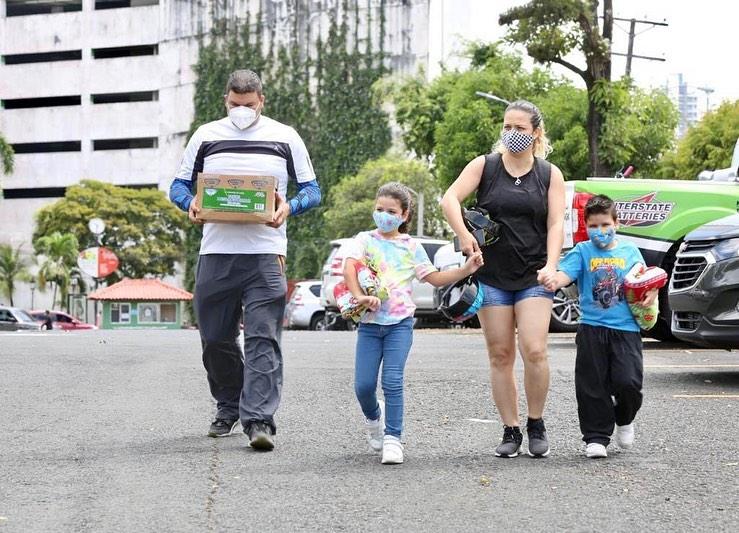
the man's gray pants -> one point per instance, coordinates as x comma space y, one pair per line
246, 385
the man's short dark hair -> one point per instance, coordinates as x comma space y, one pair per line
600, 204
244, 81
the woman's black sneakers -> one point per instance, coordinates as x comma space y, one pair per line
511, 443
538, 443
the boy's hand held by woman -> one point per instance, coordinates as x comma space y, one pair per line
474, 262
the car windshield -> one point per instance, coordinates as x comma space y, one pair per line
23, 316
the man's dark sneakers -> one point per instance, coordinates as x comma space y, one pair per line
511, 443
222, 427
260, 436
538, 443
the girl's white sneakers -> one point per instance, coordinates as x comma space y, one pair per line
392, 451
376, 429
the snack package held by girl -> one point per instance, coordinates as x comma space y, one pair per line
637, 283
347, 303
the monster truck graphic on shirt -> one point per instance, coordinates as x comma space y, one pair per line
607, 282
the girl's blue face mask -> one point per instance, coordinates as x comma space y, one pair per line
602, 238
386, 222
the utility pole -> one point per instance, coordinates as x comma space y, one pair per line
632, 34
708, 91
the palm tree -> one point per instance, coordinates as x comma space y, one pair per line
12, 269
60, 251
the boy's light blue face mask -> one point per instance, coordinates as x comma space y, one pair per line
601, 238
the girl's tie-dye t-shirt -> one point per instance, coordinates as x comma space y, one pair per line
396, 262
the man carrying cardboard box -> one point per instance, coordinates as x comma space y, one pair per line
241, 268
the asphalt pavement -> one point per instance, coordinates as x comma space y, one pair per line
105, 431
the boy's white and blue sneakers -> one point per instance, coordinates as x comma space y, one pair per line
595, 450
625, 436
376, 429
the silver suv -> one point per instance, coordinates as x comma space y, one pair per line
15, 319
333, 272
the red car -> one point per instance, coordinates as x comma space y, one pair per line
61, 320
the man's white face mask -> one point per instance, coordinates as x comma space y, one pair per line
242, 116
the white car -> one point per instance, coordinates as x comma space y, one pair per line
333, 272
304, 309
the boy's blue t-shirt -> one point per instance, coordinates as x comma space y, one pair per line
600, 280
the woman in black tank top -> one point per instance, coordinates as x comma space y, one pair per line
526, 195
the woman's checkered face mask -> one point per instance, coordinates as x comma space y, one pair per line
516, 141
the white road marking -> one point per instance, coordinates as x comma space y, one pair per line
722, 396
691, 366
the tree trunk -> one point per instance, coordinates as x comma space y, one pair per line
594, 124
53, 300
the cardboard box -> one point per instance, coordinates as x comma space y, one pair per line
224, 198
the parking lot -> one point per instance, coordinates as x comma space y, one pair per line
105, 431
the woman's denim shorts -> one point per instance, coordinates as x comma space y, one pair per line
494, 296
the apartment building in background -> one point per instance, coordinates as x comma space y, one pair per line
103, 89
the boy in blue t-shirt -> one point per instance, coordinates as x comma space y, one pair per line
608, 368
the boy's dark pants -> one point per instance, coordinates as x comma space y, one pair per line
609, 363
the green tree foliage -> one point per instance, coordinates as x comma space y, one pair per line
59, 253
328, 99
13, 268
352, 201
6, 156
706, 146
141, 226
639, 126
551, 30
444, 122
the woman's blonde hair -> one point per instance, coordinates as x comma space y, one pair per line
542, 146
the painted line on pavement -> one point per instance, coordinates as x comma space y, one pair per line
724, 396
691, 366
482, 420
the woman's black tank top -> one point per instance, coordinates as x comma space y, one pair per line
521, 210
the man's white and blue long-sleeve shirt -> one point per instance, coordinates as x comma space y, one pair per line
268, 148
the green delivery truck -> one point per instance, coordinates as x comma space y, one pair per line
654, 214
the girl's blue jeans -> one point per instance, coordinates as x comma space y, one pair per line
388, 345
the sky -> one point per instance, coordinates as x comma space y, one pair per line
701, 41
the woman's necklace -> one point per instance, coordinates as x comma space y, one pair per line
518, 178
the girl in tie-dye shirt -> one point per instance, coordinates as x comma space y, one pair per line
385, 332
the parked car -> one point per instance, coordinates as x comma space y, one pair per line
333, 272
60, 320
704, 289
14, 319
304, 309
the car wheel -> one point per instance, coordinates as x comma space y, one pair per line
565, 310
318, 322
